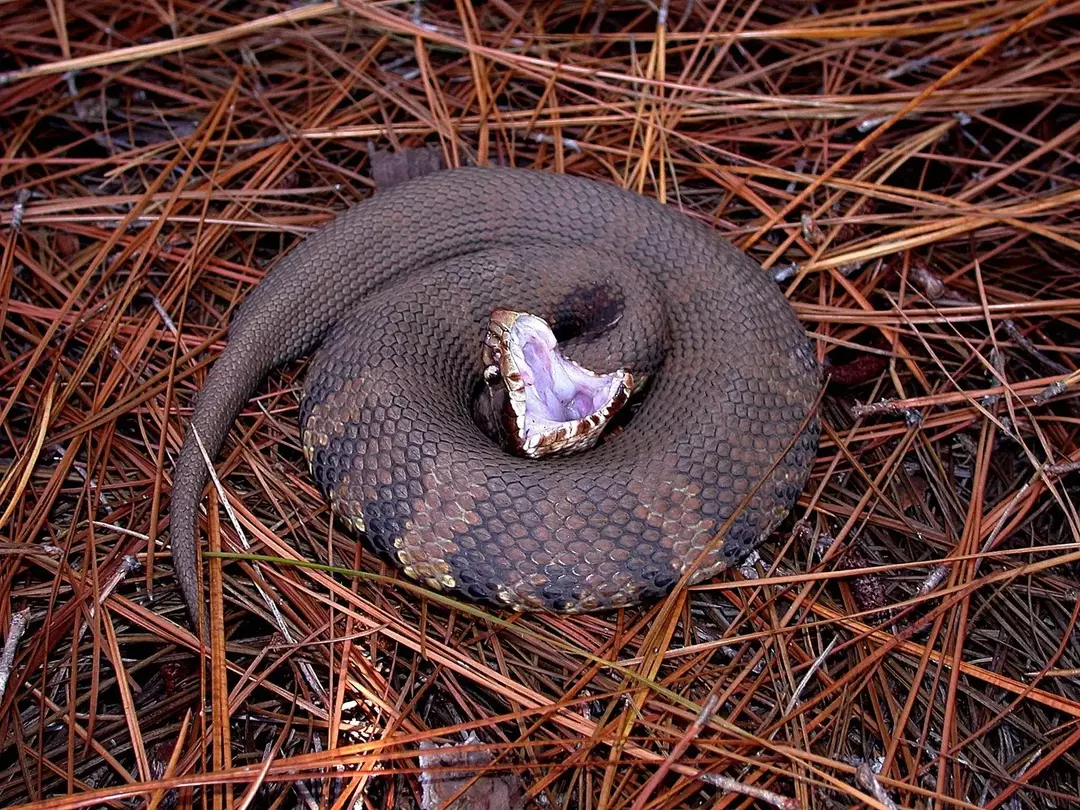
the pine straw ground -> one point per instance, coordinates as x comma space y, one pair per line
908, 172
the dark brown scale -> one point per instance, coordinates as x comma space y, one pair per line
397, 291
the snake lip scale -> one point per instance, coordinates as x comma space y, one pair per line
394, 298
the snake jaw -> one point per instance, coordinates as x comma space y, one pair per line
553, 405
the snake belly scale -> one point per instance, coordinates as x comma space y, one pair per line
392, 297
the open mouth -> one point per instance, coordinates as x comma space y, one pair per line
553, 405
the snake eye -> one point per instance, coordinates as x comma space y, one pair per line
553, 404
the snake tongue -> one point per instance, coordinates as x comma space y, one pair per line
553, 405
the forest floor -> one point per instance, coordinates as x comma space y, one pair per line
906, 171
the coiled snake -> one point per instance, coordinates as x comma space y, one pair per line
416, 388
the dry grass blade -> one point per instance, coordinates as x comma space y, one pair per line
908, 171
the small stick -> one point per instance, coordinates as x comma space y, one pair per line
1064, 468
570, 143
911, 416
819, 662
767, 796
676, 752
931, 283
18, 211
7, 657
724, 783
128, 564
868, 781
1021, 340
933, 579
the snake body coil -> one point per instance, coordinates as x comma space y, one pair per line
396, 293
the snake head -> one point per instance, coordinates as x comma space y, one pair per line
552, 404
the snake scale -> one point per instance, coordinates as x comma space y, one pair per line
395, 298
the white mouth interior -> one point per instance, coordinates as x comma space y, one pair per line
558, 405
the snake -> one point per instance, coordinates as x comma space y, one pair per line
533, 390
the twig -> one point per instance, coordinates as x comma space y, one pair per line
16, 628
868, 781
1063, 468
677, 751
731, 786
